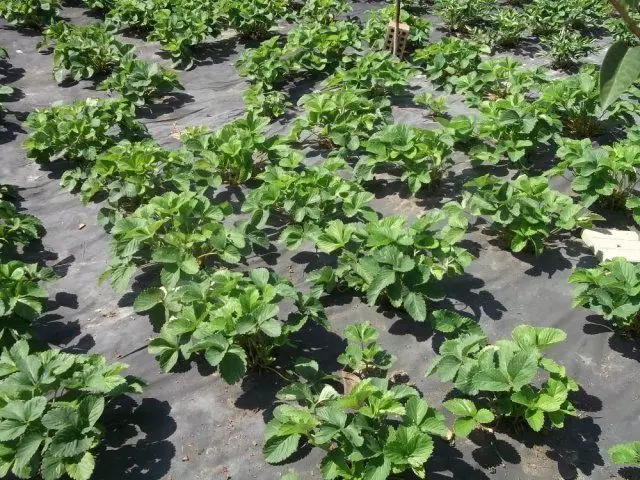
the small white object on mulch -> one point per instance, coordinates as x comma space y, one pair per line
609, 243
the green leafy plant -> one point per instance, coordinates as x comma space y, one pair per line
377, 73
264, 102
394, 260
508, 27
253, 19
619, 29
423, 156
499, 378
436, 106
84, 52
129, 174
231, 318
625, 453
576, 100
341, 118
22, 298
498, 78
612, 290
462, 15
375, 29
182, 27
99, 5
449, 58
323, 11
179, 232
139, 81
548, 16
512, 127
609, 174
30, 13
236, 151
566, 47
363, 356
268, 65
307, 198
371, 431
80, 131
135, 14
525, 211
16, 228
50, 406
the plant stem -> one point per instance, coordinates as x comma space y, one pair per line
626, 17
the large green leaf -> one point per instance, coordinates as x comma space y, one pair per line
83, 469
278, 449
625, 453
415, 306
620, 69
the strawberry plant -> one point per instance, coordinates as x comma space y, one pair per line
99, 5
307, 198
341, 118
236, 151
508, 27
363, 356
525, 211
262, 101
253, 19
462, 15
323, 11
315, 47
84, 52
16, 229
499, 379
183, 26
139, 81
35, 14
548, 16
498, 78
392, 259
609, 174
436, 106
130, 174
135, 14
449, 58
267, 65
612, 290
80, 131
372, 431
625, 453
512, 127
50, 406
22, 298
377, 73
233, 319
178, 232
375, 29
423, 156
576, 100
566, 47
619, 30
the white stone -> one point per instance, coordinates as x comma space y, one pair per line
611, 243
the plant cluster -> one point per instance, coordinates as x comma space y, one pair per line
499, 378
566, 47
508, 26
50, 406
139, 81
608, 175
16, 229
373, 430
451, 57
363, 356
436, 106
393, 260
525, 211
324, 11
463, 15
84, 52
35, 14
233, 319
307, 198
341, 118
79, 131
423, 156
612, 290
253, 19
548, 16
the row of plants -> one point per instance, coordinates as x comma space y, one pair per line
51, 401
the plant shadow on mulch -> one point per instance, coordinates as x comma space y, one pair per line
625, 345
135, 445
